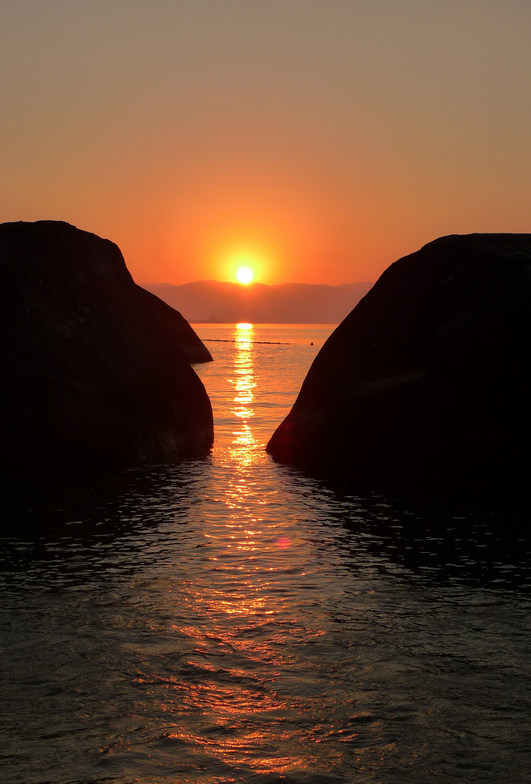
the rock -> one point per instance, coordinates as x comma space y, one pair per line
425, 387
96, 370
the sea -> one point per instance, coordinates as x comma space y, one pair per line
230, 620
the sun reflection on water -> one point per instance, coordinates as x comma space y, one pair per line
244, 443
247, 694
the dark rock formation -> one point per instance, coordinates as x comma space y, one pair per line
426, 386
95, 369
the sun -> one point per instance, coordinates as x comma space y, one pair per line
244, 275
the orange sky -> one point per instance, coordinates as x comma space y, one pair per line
319, 139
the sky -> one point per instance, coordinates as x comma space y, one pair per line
315, 141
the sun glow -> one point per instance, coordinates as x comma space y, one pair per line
243, 263
244, 275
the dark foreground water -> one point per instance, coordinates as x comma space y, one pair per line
229, 620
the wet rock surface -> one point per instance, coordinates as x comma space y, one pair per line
96, 370
425, 387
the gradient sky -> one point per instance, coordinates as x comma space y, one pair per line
319, 139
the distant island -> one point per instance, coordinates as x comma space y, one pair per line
287, 303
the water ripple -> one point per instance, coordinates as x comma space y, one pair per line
229, 620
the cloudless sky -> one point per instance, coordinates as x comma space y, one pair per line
320, 140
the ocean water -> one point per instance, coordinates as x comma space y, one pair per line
230, 620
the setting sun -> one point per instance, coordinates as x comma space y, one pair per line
244, 275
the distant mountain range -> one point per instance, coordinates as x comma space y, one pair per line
287, 303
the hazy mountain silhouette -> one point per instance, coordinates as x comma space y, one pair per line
287, 303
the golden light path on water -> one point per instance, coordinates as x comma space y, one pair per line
256, 710
242, 448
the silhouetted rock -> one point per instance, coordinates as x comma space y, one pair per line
426, 386
95, 368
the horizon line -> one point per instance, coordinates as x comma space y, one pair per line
254, 283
